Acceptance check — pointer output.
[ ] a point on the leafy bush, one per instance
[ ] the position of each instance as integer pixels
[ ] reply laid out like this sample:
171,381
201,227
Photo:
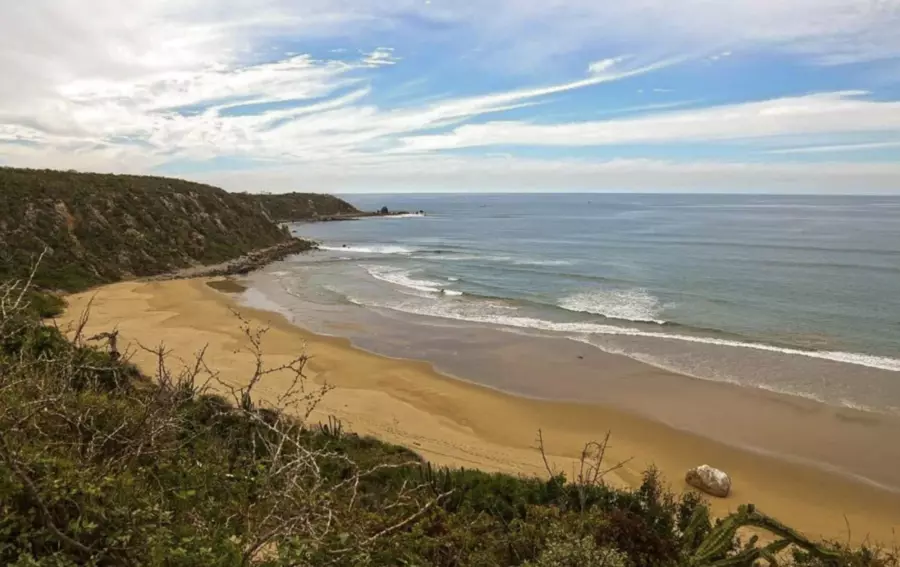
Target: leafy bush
565,549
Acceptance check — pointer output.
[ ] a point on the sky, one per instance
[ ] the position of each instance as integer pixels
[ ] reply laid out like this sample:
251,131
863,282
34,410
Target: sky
774,96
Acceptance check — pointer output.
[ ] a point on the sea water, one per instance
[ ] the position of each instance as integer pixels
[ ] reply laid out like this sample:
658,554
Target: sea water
799,295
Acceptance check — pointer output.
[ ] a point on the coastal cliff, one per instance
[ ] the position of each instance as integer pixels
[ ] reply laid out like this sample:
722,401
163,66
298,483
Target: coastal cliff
100,228
290,207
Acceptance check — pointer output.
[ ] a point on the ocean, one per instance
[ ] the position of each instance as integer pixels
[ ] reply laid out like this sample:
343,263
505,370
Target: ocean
798,295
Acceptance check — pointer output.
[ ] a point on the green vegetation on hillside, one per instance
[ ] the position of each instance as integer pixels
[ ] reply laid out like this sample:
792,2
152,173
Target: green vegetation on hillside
100,228
289,207
102,466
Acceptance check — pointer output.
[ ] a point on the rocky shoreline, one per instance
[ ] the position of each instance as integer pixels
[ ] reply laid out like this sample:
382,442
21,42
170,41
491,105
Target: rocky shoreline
242,264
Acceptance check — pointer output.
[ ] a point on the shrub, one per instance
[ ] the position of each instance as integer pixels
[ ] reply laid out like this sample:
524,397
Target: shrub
565,549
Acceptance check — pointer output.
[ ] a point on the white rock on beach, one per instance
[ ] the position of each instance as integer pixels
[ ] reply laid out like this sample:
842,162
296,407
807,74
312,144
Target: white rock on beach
709,480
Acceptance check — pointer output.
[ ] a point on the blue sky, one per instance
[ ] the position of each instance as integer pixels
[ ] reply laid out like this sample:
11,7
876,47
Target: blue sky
433,95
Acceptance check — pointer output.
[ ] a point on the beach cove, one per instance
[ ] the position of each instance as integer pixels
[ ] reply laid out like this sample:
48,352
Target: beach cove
458,423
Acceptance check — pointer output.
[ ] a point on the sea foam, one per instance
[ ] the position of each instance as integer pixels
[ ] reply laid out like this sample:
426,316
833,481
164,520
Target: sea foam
403,278
625,304
374,249
476,312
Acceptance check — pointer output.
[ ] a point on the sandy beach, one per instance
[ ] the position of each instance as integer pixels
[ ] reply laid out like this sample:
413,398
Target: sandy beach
458,423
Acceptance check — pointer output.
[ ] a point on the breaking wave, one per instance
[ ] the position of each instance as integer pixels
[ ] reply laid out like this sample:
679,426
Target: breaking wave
627,304
374,249
478,312
403,278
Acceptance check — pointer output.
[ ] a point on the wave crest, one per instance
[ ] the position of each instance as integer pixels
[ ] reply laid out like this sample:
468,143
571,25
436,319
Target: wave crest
625,304
441,255
375,249
479,312
403,278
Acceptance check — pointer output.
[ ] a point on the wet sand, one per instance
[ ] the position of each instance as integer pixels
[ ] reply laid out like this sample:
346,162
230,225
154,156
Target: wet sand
845,440
459,423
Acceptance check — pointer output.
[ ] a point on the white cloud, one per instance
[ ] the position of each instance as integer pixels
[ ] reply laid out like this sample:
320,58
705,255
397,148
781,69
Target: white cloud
826,31
297,77
64,39
197,114
380,57
505,173
105,112
604,65
837,148
826,113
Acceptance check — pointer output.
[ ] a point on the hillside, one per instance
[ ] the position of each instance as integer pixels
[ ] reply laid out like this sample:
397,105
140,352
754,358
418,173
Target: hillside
290,207
100,228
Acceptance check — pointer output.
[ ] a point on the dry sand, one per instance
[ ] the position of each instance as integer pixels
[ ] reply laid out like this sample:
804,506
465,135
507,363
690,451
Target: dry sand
451,422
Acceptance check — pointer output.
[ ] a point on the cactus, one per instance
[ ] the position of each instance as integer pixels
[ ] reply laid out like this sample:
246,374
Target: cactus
720,542
333,429
439,480
692,533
